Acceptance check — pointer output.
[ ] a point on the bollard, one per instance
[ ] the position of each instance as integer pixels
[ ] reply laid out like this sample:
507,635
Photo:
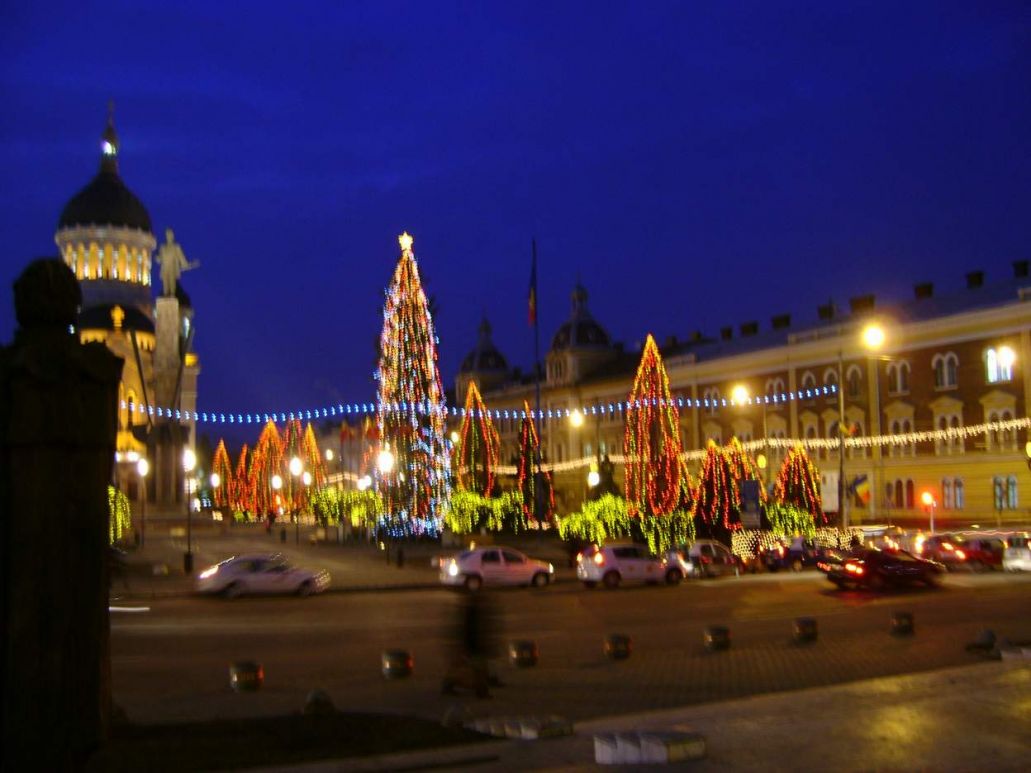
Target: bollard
246,676
901,623
318,702
717,637
282,534
523,653
618,646
805,630
397,664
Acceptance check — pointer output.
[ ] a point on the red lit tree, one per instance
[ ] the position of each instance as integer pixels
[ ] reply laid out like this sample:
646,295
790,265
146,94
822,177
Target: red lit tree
798,484
533,488
743,466
478,447
266,461
312,458
717,501
221,466
651,441
239,494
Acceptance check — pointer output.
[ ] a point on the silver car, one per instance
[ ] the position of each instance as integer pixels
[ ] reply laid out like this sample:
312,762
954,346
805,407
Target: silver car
613,565
263,573
494,565
1017,555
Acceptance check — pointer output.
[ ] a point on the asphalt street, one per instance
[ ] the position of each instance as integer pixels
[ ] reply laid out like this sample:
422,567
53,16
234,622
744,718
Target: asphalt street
171,656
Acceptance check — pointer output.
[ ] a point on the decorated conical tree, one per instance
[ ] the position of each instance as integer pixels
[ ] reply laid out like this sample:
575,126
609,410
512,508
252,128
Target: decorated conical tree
266,461
312,457
239,494
717,498
293,491
222,467
410,417
798,484
743,466
478,447
536,489
651,440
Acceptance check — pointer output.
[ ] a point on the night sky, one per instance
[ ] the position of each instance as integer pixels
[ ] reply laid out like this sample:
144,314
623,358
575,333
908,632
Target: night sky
697,165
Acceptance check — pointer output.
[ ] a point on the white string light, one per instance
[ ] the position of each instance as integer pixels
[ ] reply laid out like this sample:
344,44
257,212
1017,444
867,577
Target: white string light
366,409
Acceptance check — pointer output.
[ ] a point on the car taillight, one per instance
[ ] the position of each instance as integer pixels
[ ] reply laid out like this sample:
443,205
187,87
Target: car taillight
579,558
947,546
599,559
780,550
854,568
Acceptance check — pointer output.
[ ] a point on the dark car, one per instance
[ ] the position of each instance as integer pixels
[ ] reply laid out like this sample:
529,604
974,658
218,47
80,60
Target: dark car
877,569
795,555
960,552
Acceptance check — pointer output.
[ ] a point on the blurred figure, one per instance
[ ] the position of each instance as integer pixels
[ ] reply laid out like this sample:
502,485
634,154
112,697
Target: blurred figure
475,642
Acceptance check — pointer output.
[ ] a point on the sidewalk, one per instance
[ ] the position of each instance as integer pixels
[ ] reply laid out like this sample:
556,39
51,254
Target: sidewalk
968,718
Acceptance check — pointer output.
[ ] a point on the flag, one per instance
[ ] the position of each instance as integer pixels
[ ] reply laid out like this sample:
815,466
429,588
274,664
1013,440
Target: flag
532,302
862,489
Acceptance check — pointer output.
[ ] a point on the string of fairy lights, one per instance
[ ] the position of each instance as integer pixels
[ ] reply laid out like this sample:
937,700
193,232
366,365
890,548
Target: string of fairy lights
343,410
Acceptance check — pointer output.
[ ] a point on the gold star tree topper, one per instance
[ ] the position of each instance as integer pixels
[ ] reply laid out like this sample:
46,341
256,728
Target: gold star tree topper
405,240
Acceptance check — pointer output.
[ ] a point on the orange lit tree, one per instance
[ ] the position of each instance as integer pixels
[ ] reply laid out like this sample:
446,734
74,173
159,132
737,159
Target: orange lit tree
478,447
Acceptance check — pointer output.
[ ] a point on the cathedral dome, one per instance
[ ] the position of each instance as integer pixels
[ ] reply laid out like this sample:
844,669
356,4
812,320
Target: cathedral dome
580,330
485,357
106,200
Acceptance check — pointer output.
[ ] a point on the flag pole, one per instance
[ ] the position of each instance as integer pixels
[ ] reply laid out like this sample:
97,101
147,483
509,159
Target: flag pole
537,490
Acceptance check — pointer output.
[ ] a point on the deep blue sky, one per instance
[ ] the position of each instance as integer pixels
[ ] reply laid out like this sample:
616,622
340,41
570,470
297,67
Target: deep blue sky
698,165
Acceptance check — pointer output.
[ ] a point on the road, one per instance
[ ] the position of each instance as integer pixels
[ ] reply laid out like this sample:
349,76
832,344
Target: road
170,662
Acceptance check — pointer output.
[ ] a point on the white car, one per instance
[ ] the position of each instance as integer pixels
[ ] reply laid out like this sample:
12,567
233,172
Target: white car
1017,555
612,565
494,565
704,558
262,573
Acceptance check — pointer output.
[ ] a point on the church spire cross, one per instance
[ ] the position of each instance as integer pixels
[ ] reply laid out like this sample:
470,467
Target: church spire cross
109,142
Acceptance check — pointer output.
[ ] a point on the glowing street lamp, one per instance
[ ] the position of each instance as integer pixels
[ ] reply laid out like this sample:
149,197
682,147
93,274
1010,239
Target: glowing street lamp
364,482
928,501
576,419
385,461
189,464
873,336
739,394
593,478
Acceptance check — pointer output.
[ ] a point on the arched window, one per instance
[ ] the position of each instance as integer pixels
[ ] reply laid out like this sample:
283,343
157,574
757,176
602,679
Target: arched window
909,494
947,501
808,383
830,379
898,378
944,366
957,487
998,364
1011,492
854,380
712,395
898,494
999,492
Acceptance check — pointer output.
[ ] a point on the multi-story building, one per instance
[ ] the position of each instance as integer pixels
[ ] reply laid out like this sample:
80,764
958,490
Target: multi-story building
949,365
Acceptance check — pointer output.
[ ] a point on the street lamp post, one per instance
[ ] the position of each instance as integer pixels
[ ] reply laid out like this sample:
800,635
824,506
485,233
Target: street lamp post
216,481
296,468
142,468
930,504
189,463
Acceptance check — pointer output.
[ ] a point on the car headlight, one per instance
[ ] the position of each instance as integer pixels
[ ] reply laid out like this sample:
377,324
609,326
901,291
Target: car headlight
551,569
452,569
208,573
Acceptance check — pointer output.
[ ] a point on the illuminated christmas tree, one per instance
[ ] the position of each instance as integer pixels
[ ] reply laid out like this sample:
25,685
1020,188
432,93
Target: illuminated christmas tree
717,499
239,494
293,491
529,445
266,461
312,458
222,467
651,441
798,484
413,476
478,447
743,466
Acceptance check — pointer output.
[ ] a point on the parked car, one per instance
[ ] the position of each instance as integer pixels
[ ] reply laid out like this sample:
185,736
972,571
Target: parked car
616,564
957,551
876,569
1017,555
704,558
797,554
494,565
263,573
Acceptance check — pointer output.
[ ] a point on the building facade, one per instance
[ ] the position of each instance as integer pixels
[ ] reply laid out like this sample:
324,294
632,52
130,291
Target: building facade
914,408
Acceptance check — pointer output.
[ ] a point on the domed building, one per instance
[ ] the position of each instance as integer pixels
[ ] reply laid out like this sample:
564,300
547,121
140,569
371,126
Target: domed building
579,346
104,234
485,364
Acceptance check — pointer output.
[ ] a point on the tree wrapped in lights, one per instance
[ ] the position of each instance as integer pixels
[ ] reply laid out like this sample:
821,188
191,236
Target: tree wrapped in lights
239,497
266,461
651,440
478,447
743,466
410,416
311,456
717,499
293,491
529,481
798,485
222,467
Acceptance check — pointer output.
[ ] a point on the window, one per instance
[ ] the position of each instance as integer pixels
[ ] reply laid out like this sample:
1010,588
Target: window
1005,492
909,494
1011,492
512,558
491,557
854,381
898,378
830,378
947,501
808,382
957,492
711,400
898,494
944,366
998,364
774,387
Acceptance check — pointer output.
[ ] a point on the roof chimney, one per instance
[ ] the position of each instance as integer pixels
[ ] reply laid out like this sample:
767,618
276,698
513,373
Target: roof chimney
923,290
749,329
975,279
726,333
781,321
1019,269
861,303
826,311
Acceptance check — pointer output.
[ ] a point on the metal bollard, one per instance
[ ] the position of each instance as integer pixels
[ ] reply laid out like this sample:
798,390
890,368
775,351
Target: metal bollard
397,664
282,534
902,623
717,637
805,630
523,653
618,646
246,676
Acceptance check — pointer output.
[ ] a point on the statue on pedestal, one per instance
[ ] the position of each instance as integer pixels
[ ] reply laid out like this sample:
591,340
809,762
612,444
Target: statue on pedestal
173,263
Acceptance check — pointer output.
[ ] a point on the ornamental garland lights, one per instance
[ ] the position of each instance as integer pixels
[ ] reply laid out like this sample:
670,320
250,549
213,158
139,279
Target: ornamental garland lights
478,446
367,409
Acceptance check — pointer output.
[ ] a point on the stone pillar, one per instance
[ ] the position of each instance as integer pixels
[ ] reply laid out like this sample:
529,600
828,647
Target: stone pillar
58,418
